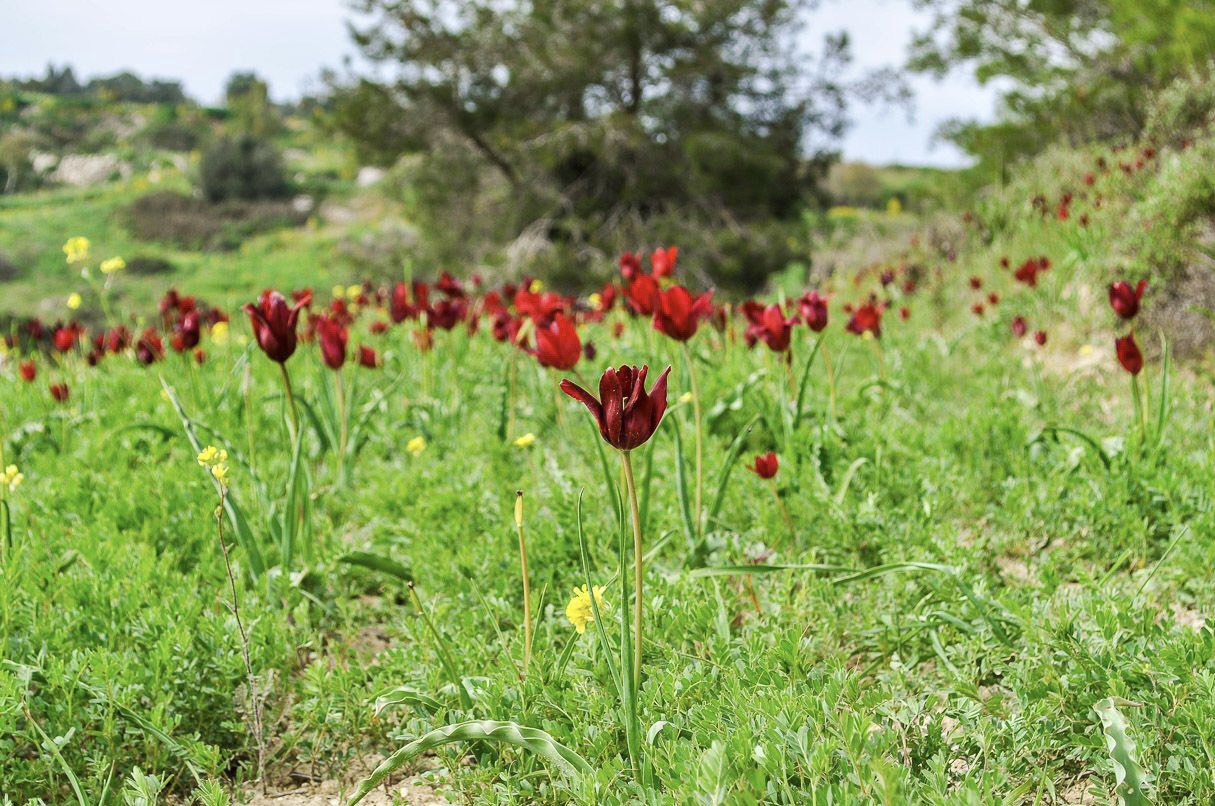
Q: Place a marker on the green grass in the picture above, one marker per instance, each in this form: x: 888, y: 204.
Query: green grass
x: 1075, y: 577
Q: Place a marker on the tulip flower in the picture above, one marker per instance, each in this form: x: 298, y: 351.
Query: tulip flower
x: 274, y: 324
x: 187, y: 332
x: 813, y: 309
x: 642, y: 294
x: 662, y: 261
x: 149, y: 349
x: 630, y: 265
x: 557, y: 344
x: 768, y: 325
x: 1124, y: 299
x: 29, y: 371
x: 332, y: 336
x: 368, y: 357
x: 626, y: 414
x: 1019, y: 328
x: 1040, y: 337
x: 677, y: 314
x: 867, y: 319
x: 60, y: 392
x: 765, y: 465
x: 1129, y: 354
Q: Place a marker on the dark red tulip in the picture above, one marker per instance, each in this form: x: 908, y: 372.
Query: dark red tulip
x: 993, y: 298
x: 1124, y: 299
x: 447, y: 313
x: 60, y: 392
x: 1129, y: 355
x: 557, y: 344
x: 677, y: 314
x: 662, y: 261
x: 813, y: 309
x: 589, y: 352
x: 642, y: 294
x: 1028, y: 271
x: 867, y: 319
x: 768, y: 325
x: 765, y: 465
x: 1019, y: 328
x: 118, y: 339
x: 449, y: 285
x: 64, y: 338
x: 976, y: 283
x: 378, y: 327
x: 187, y: 332
x: 274, y: 323
x: 29, y: 371
x: 149, y: 349
x: 626, y: 414
x: 368, y: 357
x: 904, y: 313
x: 1040, y: 337
x: 977, y: 309
x: 332, y: 336
x: 200, y: 356
x: 630, y: 265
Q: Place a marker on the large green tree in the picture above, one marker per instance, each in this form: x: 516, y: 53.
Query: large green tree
x: 591, y: 110
x: 1078, y: 70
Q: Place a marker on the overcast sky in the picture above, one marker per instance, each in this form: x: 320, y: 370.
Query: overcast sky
x: 288, y: 41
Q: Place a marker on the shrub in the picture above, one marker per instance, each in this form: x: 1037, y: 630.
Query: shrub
x: 243, y: 168
x: 145, y: 266
x: 195, y: 224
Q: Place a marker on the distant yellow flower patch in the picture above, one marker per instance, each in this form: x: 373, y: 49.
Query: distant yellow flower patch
x: 416, y: 445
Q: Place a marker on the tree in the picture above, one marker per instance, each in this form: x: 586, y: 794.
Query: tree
x: 1076, y: 69
x: 248, y: 99
x: 590, y: 111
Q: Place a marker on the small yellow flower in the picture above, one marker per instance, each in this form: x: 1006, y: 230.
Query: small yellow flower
x: 212, y: 455
x: 1087, y: 350
x: 74, y: 301
x: 526, y: 441
x: 220, y: 473
x: 354, y: 292
x: 11, y: 478
x: 112, y: 265
x: 219, y: 332
x: 579, y: 611
x: 76, y: 249
x: 536, y: 287
x: 686, y: 397
x: 416, y: 445
x: 339, y: 291
x: 595, y: 300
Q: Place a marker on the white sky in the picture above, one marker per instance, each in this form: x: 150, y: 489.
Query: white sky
x: 202, y: 42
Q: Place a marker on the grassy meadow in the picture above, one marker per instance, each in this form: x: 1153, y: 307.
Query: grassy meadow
x: 979, y: 561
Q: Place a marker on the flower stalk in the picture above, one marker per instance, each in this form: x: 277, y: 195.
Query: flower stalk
x: 527, y: 591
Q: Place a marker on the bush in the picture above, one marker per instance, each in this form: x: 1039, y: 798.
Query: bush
x: 144, y: 266
x: 195, y: 224
x: 243, y: 168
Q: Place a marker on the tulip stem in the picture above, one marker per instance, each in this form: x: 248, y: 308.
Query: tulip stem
x: 343, y: 426
x: 295, y: 415
x: 638, y: 606
x: 830, y: 376
x: 1141, y: 411
x: 780, y: 504
x: 527, y: 591
x: 699, y: 492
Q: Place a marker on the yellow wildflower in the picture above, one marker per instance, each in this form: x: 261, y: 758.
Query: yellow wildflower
x: 11, y: 478
x: 416, y: 445
x: 526, y: 441
x: 220, y: 473
x: 74, y: 301
x: 579, y: 611
x: 219, y: 332
x: 536, y: 287
x: 686, y: 397
x: 76, y: 249
x: 339, y: 291
x: 111, y: 265
x: 595, y: 300
x: 212, y: 455
x: 354, y: 292
x: 1087, y: 350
